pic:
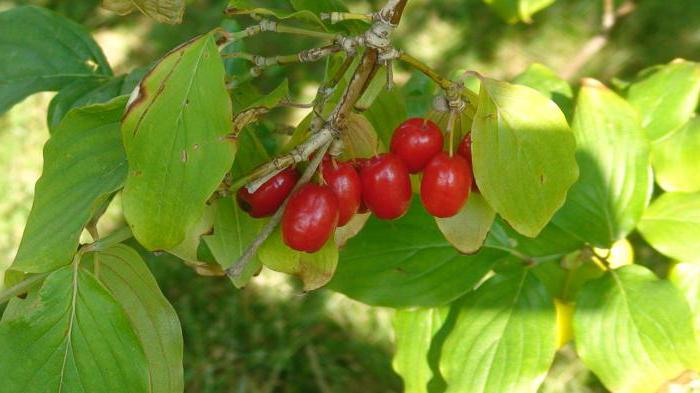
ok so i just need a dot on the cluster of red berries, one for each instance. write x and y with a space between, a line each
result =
380 184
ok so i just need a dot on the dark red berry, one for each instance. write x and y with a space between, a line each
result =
465 150
386 186
343 179
310 218
268 198
445 185
416 141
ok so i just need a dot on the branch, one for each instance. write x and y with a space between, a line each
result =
444 83
388 17
597 42
305 56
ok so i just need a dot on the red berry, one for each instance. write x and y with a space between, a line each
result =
465 150
268 198
343 179
310 218
386 186
445 185
416 141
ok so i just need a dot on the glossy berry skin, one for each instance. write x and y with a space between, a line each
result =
386 186
445 185
416 141
268 198
310 218
465 150
345 182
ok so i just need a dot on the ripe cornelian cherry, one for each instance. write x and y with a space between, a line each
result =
310 218
416 141
268 198
465 150
445 185
386 186
343 179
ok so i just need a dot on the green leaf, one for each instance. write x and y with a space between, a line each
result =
552 242
467 230
314 270
407 262
164 11
234 230
418 94
504 338
523 154
634 331
42 51
78 339
675 158
672 225
547 82
84 163
415 332
513 11
126 276
666 96
175 134
386 113
613 155
686 277
245 7
187 250
93 91
359 139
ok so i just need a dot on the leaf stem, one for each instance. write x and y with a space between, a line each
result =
444 83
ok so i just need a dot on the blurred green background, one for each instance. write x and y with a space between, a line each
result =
270 337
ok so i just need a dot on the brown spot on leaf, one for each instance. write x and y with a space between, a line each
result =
183 156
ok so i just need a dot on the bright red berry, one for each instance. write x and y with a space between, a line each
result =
343 179
465 150
416 141
268 198
445 185
310 218
386 186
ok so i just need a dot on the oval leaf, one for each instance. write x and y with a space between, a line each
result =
634 331
234 230
153 319
675 159
672 225
84 163
44 52
467 230
504 338
407 262
175 137
523 154
613 155
686 277
414 332
547 82
666 96
314 270
77 339
165 11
